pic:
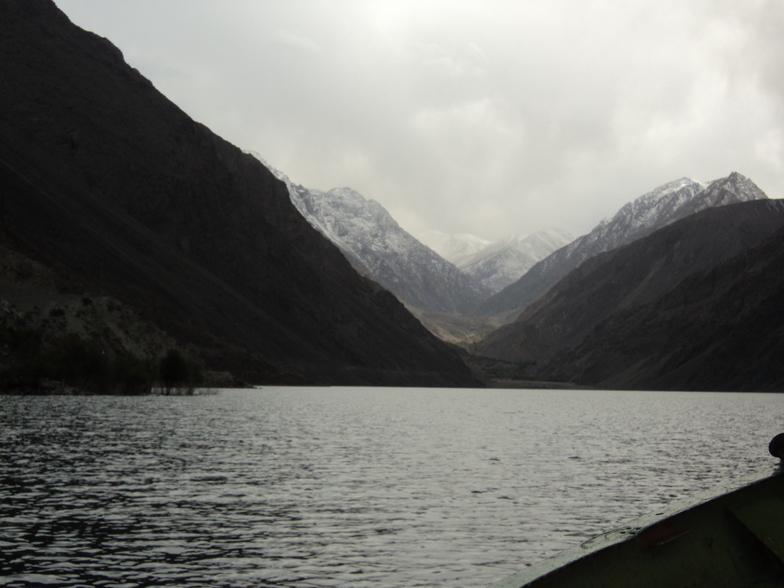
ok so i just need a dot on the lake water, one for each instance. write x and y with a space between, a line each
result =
348 486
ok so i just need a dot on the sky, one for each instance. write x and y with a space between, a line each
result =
488 117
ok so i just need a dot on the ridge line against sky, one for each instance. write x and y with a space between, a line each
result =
487 117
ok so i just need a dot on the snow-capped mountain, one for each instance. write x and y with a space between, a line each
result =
454 248
654 210
505 261
378 247
611 288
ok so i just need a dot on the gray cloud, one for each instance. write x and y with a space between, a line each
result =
487 117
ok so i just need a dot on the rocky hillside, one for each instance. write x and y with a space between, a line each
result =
720 329
37 298
103 176
56 337
631 276
649 212
380 248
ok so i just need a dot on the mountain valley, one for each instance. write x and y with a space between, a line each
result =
648 249
379 248
126 223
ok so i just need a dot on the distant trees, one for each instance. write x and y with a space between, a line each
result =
179 374
26 364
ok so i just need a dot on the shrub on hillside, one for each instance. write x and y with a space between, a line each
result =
71 360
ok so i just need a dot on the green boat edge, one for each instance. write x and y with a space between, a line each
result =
729 536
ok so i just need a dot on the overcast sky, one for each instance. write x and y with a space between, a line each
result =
488 117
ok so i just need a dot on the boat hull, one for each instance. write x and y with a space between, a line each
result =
730 537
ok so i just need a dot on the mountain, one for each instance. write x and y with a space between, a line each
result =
639 218
454 248
719 329
630 276
379 248
504 262
104 178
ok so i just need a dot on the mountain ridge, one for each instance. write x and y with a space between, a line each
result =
719 329
655 209
630 276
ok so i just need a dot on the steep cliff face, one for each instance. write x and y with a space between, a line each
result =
631 276
104 176
654 210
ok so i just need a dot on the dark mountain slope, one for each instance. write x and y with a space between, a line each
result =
631 276
104 176
721 329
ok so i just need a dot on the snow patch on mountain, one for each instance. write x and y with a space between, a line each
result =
651 211
505 261
378 247
454 248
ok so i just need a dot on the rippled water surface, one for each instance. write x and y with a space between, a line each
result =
348 486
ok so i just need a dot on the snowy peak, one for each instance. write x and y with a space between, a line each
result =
734 188
635 220
302 199
541 244
352 201
506 260
662 206
648 212
454 248
378 247
490 250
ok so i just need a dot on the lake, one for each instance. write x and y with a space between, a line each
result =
348 486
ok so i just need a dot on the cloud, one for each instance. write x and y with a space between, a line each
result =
489 117
298 42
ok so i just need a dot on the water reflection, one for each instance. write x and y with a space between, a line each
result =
337 487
